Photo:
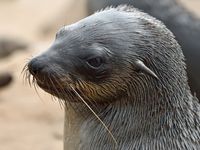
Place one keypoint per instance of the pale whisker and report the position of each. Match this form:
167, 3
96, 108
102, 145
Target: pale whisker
115, 141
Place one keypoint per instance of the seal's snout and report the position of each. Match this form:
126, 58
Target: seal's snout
35, 66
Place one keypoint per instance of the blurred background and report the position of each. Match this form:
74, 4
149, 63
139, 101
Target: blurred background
27, 27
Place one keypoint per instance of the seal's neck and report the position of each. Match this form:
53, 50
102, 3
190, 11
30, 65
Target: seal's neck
128, 120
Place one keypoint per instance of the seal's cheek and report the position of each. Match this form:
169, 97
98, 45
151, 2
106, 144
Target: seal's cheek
106, 91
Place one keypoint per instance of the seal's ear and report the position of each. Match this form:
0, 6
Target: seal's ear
143, 68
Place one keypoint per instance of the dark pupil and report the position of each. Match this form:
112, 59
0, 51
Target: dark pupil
95, 62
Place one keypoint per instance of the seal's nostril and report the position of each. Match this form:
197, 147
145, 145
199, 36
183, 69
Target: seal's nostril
35, 66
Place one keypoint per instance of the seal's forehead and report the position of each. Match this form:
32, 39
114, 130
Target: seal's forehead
68, 28
102, 16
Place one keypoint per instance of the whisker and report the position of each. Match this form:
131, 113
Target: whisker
57, 92
115, 141
93, 103
25, 74
35, 87
24, 69
60, 94
64, 92
29, 79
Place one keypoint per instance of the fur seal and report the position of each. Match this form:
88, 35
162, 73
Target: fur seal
121, 75
184, 25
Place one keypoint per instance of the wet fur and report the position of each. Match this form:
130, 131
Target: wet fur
140, 111
184, 25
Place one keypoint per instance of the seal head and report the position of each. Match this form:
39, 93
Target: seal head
93, 55
129, 69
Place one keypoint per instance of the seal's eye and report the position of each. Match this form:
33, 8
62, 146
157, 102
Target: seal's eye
95, 62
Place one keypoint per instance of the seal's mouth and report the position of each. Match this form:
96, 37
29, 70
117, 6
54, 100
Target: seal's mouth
58, 90
54, 84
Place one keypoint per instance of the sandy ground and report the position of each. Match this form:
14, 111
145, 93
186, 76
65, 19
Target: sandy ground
28, 122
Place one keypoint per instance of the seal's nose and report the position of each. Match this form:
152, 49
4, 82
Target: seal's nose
35, 66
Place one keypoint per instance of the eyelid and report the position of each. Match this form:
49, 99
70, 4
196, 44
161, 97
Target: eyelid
89, 56
92, 57
95, 62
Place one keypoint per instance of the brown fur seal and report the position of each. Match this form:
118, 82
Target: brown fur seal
122, 77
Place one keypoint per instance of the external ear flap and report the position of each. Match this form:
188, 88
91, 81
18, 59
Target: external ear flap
143, 68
